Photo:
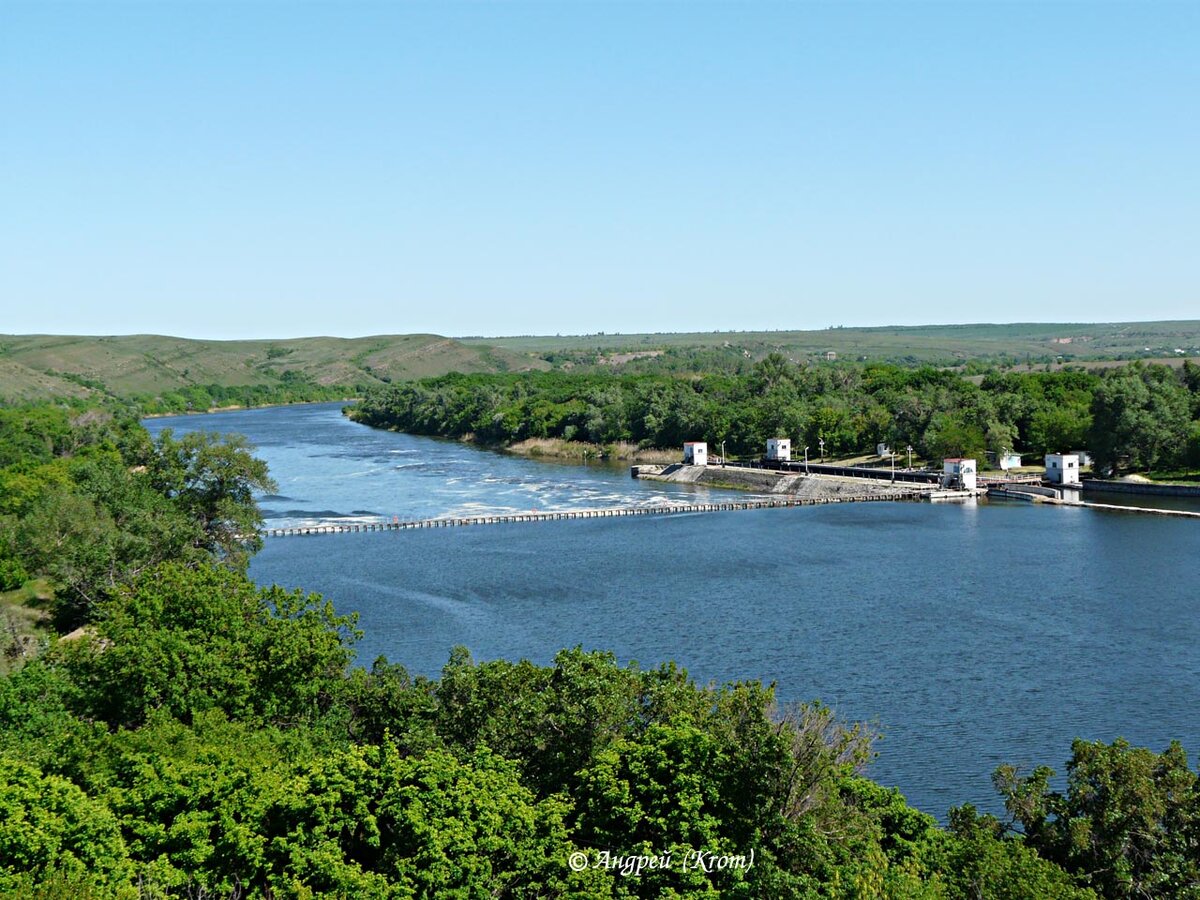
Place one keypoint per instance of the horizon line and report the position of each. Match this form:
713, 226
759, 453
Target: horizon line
483, 337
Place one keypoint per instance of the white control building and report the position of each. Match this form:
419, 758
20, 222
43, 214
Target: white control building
1062, 468
695, 453
959, 473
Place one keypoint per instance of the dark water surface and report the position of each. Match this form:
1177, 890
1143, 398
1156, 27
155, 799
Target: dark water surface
970, 635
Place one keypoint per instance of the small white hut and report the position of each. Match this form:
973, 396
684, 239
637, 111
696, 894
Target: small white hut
1009, 460
959, 473
695, 453
1062, 468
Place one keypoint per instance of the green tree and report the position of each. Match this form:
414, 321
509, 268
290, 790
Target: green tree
1059, 429
1140, 418
1192, 456
74, 541
662, 794
212, 479
1001, 437
1128, 824
951, 436
187, 640
977, 861
49, 827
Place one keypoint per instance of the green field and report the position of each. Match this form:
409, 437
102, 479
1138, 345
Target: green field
1019, 343
36, 367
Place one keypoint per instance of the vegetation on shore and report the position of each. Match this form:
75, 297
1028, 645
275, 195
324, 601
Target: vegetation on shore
1133, 418
168, 374
177, 731
582, 451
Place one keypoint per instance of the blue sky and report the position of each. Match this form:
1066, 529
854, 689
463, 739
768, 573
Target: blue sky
283, 169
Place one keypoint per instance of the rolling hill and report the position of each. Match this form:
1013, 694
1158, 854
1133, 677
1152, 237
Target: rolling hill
35, 367
940, 344
144, 367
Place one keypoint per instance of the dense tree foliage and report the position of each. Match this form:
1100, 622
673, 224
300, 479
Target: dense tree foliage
89, 501
1135, 417
184, 641
1142, 418
218, 739
1128, 823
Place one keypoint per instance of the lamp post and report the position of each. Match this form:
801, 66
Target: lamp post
722, 454
821, 441
893, 455
909, 449
806, 460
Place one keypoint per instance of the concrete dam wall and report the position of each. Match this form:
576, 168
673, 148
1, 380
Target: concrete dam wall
765, 481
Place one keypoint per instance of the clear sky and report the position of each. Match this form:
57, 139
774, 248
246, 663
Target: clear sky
282, 169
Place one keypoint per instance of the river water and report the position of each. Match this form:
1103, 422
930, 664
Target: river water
969, 636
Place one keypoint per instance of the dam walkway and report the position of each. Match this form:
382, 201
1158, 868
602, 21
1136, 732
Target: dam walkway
565, 514
780, 502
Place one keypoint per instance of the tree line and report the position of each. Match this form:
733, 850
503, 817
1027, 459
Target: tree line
1133, 417
198, 735
293, 387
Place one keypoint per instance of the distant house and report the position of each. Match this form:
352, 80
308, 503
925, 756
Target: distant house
1062, 468
1085, 458
1005, 461
883, 450
779, 449
831, 355
959, 473
695, 453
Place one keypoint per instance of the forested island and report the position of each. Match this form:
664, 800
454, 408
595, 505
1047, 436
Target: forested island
170, 729
1133, 418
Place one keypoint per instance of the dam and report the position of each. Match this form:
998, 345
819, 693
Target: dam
567, 514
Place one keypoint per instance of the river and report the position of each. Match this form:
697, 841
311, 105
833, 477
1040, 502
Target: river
968, 635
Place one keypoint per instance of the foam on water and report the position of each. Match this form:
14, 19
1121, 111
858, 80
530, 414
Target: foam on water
329, 463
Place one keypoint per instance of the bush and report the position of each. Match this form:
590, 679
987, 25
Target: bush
12, 574
50, 828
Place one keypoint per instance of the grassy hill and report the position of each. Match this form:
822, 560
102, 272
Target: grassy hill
39, 367
943, 344
34, 367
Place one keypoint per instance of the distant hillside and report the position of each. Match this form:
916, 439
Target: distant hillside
35, 367
170, 373
942, 344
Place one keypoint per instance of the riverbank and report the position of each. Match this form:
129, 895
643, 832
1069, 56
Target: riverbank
557, 448
237, 407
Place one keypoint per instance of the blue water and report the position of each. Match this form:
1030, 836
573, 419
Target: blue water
969, 636
330, 470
